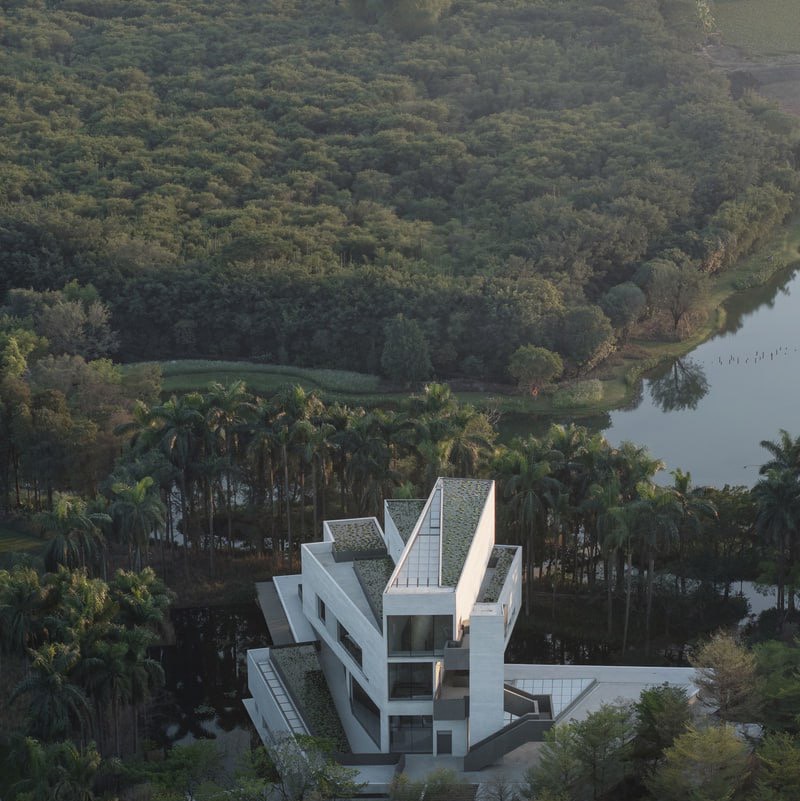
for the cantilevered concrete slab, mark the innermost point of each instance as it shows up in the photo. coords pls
(272, 609)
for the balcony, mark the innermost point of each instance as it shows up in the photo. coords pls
(456, 653)
(451, 701)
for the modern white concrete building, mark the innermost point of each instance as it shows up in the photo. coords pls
(408, 626)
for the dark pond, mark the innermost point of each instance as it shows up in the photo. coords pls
(708, 412)
(206, 676)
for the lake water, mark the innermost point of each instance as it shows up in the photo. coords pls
(206, 677)
(708, 412)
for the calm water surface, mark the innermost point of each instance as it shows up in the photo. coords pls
(206, 676)
(708, 412)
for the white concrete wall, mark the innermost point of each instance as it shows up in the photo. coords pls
(413, 601)
(511, 594)
(338, 677)
(266, 708)
(487, 648)
(460, 730)
(477, 559)
(394, 542)
(317, 582)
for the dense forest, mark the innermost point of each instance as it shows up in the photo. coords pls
(278, 180)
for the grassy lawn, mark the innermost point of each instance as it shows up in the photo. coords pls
(767, 27)
(15, 539)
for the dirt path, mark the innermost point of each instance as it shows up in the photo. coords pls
(774, 77)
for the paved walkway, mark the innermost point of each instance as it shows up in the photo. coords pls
(273, 612)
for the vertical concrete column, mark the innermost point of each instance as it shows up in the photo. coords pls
(486, 654)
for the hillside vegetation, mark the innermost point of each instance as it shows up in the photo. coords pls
(279, 179)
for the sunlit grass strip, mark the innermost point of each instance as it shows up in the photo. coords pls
(462, 504)
(373, 576)
(186, 374)
(761, 26)
(12, 541)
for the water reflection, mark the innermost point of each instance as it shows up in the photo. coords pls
(681, 385)
(206, 674)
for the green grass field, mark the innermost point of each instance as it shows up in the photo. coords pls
(193, 374)
(13, 539)
(768, 27)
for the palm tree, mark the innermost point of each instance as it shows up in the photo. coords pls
(785, 453)
(695, 509)
(527, 482)
(612, 529)
(657, 514)
(228, 408)
(75, 771)
(105, 673)
(21, 608)
(74, 533)
(777, 498)
(145, 674)
(138, 511)
(178, 426)
(141, 598)
(56, 705)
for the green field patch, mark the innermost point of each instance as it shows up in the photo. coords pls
(14, 540)
(761, 26)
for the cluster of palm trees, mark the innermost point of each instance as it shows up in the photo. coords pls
(84, 646)
(210, 470)
(582, 509)
(290, 457)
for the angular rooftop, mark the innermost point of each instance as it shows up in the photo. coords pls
(437, 549)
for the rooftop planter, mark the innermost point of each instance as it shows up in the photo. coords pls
(405, 514)
(356, 539)
(462, 504)
(373, 576)
(299, 668)
(504, 557)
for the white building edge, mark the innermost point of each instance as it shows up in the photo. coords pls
(409, 625)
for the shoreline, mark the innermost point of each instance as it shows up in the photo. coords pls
(620, 375)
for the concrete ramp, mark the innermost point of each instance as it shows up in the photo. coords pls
(272, 609)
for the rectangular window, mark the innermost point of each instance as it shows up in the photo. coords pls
(410, 680)
(365, 711)
(349, 644)
(320, 609)
(419, 635)
(411, 734)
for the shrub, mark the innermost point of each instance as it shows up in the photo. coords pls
(581, 393)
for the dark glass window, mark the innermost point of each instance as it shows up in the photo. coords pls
(349, 644)
(418, 635)
(411, 734)
(365, 711)
(411, 680)
(320, 609)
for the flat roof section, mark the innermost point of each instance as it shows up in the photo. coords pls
(344, 576)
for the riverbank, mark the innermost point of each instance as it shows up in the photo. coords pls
(619, 375)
